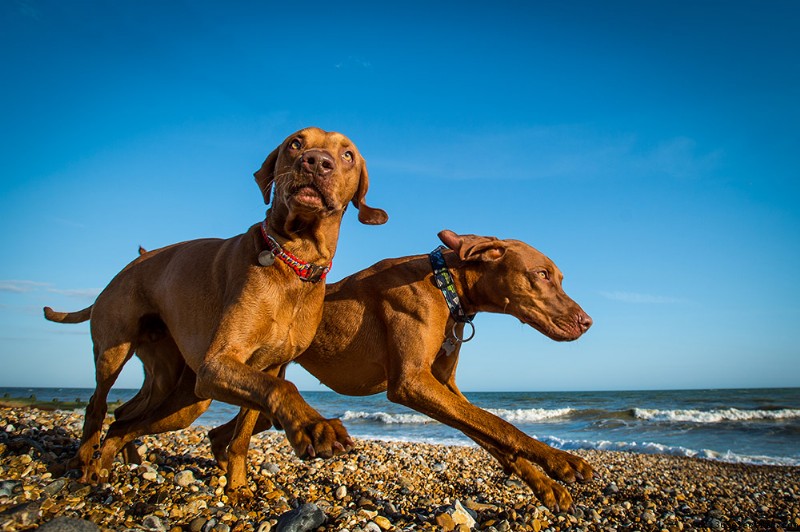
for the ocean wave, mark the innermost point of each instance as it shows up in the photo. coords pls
(530, 415)
(714, 416)
(605, 445)
(520, 415)
(387, 418)
(658, 448)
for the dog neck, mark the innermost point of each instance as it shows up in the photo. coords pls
(306, 271)
(311, 239)
(466, 278)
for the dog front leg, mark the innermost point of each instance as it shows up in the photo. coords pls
(424, 393)
(308, 433)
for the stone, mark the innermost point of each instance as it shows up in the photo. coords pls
(382, 522)
(301, 519)
(461, 516)
(69, 524)
(196, 524)
(24, 515)
(56, 486)
(341, 492)
(153, 523)
(445, 521)
(184, 478)
(270, 469)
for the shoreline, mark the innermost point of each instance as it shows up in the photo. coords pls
(381, 485)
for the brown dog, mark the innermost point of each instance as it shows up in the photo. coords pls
(231, 311)
(389, 328)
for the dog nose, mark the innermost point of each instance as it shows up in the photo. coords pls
(584, 321)
(317, 162)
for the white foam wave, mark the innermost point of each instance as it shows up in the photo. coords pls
(714, 416)
(658, 448)
(387, 418)
(520, 415)
(605, 445)
(529, 415)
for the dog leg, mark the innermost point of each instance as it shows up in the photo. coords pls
(547, 490)
(236, 472)
(108, 366)
(222, 438)
(552, 494)
(130, 454)
(309, 434)
(424, 393)
(177, 411)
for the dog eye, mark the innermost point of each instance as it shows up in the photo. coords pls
(348, 156)
(296, 144)
(543, 274)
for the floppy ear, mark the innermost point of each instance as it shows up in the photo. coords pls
(473, 247)
(367, 214)
(266, 175)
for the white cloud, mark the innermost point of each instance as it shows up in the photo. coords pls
(352, 61)
(23, 287)
(83, 293)
(20, 287)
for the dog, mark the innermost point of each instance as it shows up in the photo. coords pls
(233, 311)
(398, 327)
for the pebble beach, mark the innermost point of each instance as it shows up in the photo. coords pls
(378, 486)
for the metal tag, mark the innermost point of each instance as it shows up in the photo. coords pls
(266, 258)
(448, 346)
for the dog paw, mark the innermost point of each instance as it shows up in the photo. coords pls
(567, 467)
(323, 438)
(94, 474)
(554, 496)
(238, 495)
(548, 491)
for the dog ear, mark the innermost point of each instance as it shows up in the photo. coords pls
(473, 247)
(367, 214)
(266, 175)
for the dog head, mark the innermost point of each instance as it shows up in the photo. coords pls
(316, 173)
(511, 277)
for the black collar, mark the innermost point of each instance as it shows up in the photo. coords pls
(444, 280)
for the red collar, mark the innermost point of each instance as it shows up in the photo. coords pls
(305, 270)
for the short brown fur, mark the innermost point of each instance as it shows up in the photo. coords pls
(207, 307)
(383, 329)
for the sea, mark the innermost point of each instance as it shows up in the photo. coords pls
(752, 426)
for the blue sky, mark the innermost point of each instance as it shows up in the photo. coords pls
(649, 148)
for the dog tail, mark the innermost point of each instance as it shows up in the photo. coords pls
(68, 317)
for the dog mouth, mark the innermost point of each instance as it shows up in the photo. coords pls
(558, 330)
(309, 195)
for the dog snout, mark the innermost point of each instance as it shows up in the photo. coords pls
(584, 321)
(318, 163)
